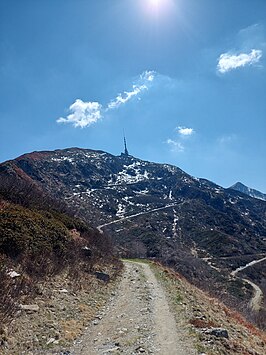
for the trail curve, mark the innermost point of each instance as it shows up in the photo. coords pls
(256, 301)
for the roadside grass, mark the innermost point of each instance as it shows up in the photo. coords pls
(197, 312)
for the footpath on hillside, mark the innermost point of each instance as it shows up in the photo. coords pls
(137, 320)
(257, 299)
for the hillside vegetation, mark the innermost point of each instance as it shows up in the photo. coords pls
(40, 239)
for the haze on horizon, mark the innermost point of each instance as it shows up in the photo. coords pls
(185, 79)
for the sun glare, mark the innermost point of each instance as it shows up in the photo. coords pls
(155, 2)
(157, 7)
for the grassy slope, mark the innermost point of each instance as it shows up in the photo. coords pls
(201, 312)
(42, 242)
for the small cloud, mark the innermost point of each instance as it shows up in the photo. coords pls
(175, 145)
(229, 61)
(148, 75)
(142, 85)
(126, 96)
(184, 131)
(83, 114)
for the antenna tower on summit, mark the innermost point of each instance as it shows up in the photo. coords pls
(125, 144)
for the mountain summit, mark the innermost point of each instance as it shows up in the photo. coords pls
(248, 191)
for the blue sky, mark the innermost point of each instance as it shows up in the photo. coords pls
(185, 79)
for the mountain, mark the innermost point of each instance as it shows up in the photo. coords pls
(248, 191)
(156, 210)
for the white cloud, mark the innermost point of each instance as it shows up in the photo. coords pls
(142, 84)
(83, 114)
(148, 75)
(184, 131)
(126, 96)
(229, 61)
(175, 146)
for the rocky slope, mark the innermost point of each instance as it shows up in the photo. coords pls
(58, 314)
(248, 191)
(156, 210)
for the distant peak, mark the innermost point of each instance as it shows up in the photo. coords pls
(238, 186)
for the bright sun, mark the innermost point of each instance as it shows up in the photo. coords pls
(155, 2)
(157, 7)
(158, 4)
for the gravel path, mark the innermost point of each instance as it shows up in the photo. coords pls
(137, 320)
(254, 262)
(257, 299)
(100, 228)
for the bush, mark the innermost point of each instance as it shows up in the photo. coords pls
(23, 230)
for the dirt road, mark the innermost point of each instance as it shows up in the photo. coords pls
(254, 262)
(100, 228)
(257, 299)
(137, 320)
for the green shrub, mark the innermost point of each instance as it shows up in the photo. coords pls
(23, 230)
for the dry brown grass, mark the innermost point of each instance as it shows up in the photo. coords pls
(71, 329)
(11, 289)
(235, 316)
(200, 323)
